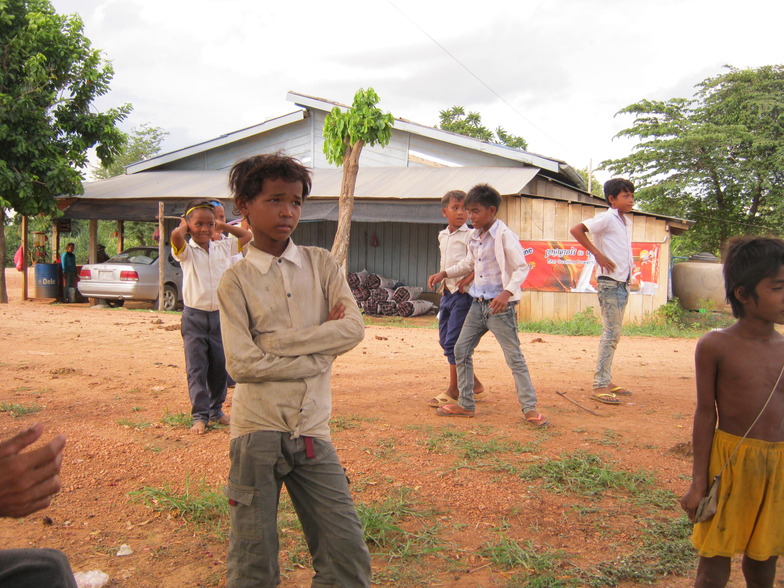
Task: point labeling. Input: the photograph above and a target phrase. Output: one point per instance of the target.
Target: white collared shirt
(488, 282)
(612, 235)
(453, 247)
(202, 271)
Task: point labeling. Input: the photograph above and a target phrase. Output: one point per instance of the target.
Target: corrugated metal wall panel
(405, 252)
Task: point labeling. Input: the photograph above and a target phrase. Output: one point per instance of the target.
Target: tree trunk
(3, 291)
(346, 202)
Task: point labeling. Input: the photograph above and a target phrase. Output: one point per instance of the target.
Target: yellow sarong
(750, 514)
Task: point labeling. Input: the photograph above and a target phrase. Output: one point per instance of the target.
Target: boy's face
(273, 214)
(69, 248)
(201, 226)
(624, 201)
(769, 305)
(482, 217)
(455, 214)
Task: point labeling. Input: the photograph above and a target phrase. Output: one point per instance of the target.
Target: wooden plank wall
(539, 219)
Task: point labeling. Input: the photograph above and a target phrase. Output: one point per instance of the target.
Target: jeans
(504, 326)
(261, 463)
(613, 297)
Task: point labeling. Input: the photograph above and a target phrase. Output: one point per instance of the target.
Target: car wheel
(114, 303)
(169, 297)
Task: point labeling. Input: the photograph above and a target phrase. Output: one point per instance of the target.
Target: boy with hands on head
(203, 262)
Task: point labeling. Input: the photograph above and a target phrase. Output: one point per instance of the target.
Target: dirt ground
(107, 377)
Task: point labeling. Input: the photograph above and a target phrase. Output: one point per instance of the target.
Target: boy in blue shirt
(498, 262)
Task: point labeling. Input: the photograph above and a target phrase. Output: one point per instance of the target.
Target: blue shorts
(451, 316)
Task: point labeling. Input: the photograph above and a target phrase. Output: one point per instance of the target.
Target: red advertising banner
(565, 266)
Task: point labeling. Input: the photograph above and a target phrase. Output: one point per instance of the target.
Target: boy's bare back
(739, 367)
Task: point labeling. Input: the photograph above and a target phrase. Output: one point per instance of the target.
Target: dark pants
(205, 363)
(451, 316)
(35, 568)
(261, 463)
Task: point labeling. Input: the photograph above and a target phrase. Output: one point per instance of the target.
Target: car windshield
(140, 255)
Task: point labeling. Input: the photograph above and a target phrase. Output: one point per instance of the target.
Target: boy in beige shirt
(286, 313)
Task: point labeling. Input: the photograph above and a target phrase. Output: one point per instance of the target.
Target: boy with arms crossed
(286, 313)
(455, 301)
(612, 233)
(737, 368)
(498, 262)
(203, 262)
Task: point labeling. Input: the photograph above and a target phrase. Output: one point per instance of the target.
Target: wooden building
(398, 214)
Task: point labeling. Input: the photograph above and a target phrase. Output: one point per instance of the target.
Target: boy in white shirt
(612, 248)
(203, 262)
(455, 300)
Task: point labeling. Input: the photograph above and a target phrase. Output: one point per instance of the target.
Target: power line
(476, 77)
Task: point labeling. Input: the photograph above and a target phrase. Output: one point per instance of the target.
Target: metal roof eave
(550, 164)
(267, 125)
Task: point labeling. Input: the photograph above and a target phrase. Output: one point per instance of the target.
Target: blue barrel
(47, 280)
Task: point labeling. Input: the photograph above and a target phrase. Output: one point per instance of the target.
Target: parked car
(132, 275)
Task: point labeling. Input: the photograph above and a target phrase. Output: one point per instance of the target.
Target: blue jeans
(261, 463)
(613, 297)
(504, 326)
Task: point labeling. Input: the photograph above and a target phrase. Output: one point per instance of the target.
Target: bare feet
(224, 420)
(199, 427)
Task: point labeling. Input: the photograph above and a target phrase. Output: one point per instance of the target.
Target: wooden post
(161, 254)
(25, 257)
(92, 251)
(120, 236)
(55, 241)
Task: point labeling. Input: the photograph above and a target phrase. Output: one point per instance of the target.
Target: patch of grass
(540, 565)
(343, 423)
(665, 551)
(19, 410)
(136, 408)
(177, 419)
(670, 320)
(386, 448)
(137, 426)
(471, 447)
(198, 504)
(609, 437)
(385, 535)
(585, 474)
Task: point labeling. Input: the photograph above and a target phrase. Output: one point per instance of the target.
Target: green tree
(597, 189)
(49, 78)
(141, 144)
(346, 132)
(456, 120)
(717, 158)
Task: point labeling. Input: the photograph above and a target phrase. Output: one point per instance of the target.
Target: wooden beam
(161, 254)
(25, 257)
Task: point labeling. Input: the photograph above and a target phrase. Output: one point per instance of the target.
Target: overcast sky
(552, 71)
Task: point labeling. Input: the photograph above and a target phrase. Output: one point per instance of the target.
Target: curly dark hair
(247, 176)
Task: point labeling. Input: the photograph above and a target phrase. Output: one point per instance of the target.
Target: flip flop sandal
(606, 398)
(619, 391)
(441, 400)
(537, 422)
(455, 410)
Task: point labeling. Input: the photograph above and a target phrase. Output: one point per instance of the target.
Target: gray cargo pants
(260, 463)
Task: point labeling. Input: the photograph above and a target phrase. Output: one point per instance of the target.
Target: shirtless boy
(736, 369)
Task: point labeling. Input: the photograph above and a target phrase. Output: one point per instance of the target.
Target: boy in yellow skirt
(737, 368)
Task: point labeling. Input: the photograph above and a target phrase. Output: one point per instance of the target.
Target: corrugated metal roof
(403, 183)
